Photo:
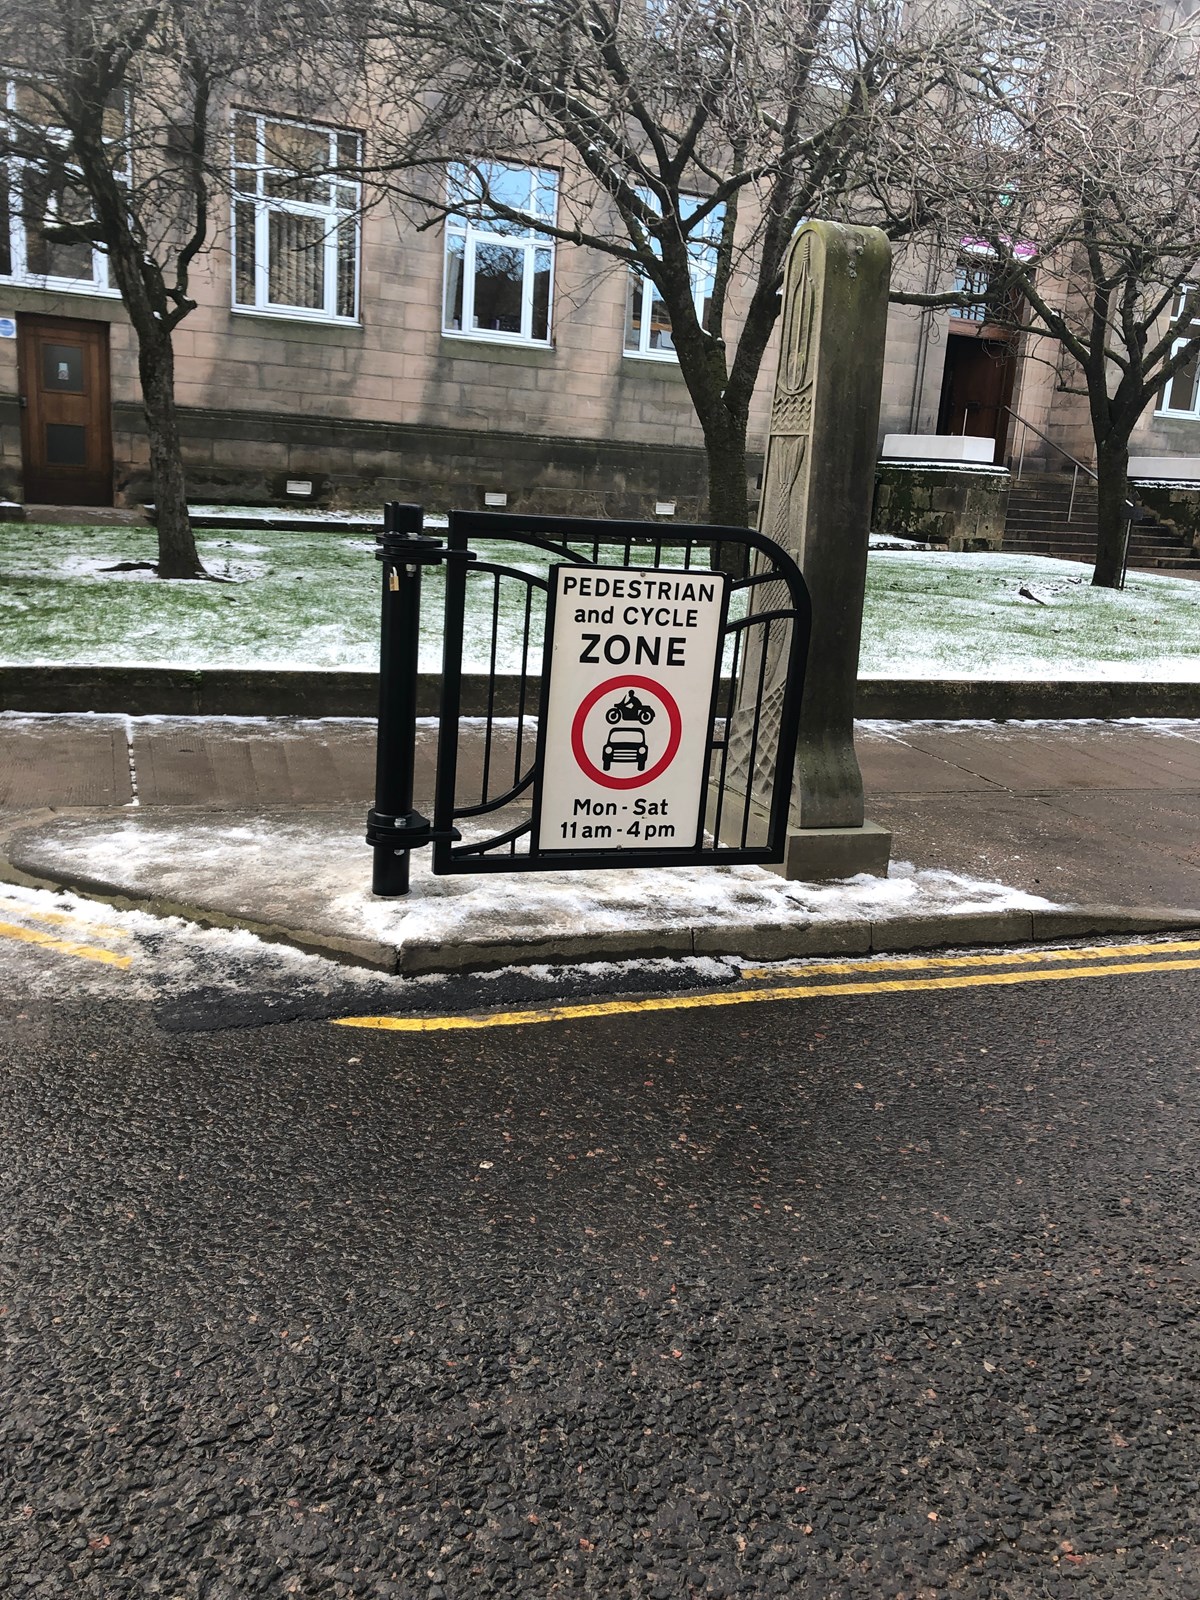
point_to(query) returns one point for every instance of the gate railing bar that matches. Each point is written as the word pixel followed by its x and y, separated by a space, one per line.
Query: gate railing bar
pixel 515 573
pixel 491 700
pixel 484 845
pixel 789 717
pixel 452 635
pixel 754 581
pixel 752 763
pixel 723 745
pixel 495 803
pixel 530 582
pixel 524 686
pixel 740 624
pixel 541 530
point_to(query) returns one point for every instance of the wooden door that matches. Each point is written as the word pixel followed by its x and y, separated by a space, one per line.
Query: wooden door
pixel 976 389
pixel 66 419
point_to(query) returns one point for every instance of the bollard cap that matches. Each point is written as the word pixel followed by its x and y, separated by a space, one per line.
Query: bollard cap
pixel 399 517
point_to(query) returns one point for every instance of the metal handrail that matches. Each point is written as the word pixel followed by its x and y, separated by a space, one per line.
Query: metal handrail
pixel 1078 465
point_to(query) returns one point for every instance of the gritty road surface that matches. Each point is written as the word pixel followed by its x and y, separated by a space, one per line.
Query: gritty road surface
pixel 864 1293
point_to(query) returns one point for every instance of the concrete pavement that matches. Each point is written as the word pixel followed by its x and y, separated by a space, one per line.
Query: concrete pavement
pixel 1091 826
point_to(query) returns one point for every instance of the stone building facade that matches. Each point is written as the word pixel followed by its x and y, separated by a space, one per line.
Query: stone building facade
pixel 339 361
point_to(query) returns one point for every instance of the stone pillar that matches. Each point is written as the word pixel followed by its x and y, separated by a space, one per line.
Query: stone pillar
pixel 817 492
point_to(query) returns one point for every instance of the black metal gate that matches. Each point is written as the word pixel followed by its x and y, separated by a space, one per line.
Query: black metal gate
pixel 498 583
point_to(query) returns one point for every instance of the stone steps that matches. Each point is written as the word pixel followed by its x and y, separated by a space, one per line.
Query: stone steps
pixel 1142 560
pixel 1145 541
pixel 1037 524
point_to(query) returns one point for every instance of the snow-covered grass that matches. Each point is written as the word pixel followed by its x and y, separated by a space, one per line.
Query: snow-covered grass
pixel 310 599
pixel 307 599
pixel 932 614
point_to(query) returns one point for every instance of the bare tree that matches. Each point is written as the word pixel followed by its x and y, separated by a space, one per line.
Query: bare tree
pixel 1083 179
pixel 119 124
pixel 695 135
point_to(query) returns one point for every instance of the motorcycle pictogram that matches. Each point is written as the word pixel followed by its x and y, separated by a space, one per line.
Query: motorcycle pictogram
pixel 630 709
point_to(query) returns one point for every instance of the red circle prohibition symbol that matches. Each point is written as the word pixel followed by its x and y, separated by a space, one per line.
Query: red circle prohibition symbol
pixel 588 766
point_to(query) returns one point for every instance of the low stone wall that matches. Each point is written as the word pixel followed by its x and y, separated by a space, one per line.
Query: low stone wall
pixel 249 458
pixel 960 507
pixel 236 457
pixel 1176 505
pixel 250 692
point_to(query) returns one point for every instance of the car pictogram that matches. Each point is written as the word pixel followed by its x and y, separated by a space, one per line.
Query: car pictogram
pixel 625 744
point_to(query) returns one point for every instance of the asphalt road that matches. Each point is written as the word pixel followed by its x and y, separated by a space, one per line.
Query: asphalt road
pixel 870 1293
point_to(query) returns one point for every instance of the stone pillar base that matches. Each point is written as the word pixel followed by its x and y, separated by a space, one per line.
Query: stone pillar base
pixel 810 855
pixel 815 855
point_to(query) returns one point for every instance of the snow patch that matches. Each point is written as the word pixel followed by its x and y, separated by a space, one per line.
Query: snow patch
pixel 267 861
pixel 233 544
pixel 893 728
pixel 303 513
pixel 100 569
pixel 893 541
pixel 942 464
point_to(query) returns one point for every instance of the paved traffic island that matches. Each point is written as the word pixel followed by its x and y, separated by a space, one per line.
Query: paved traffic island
pixel 1004 833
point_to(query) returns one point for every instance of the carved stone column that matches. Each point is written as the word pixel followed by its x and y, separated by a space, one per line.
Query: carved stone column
pixel 816 503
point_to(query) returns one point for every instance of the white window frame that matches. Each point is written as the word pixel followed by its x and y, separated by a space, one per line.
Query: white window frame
pixel 702 256
pixel 1163 408
pixel 18 240
pixel 249 180
pixel 473 231
pixel 964 269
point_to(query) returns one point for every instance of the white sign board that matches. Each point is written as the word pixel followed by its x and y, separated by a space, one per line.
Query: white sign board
pixel 632 661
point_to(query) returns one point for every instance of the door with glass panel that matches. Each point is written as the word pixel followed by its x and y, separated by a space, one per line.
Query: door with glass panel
pixel 66 419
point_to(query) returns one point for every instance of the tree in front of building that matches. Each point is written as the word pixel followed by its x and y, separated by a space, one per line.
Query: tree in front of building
pixel 1084 182
pixel 115 136
pixel 686 140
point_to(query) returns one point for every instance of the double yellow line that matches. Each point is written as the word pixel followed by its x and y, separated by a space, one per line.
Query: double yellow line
pixel 59 942
pixel 857 978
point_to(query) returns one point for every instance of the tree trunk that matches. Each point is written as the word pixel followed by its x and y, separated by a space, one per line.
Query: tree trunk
pixel 702 367
pixel 1112 495
pixel 728 501
pixel 725 448
pixel 177 555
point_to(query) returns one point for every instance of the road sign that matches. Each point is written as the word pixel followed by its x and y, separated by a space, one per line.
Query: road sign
pixel 633 658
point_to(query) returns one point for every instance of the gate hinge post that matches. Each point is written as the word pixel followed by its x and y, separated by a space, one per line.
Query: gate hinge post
pixel 393 827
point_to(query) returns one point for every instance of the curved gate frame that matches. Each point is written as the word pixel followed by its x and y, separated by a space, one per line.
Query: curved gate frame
pixel 753 561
